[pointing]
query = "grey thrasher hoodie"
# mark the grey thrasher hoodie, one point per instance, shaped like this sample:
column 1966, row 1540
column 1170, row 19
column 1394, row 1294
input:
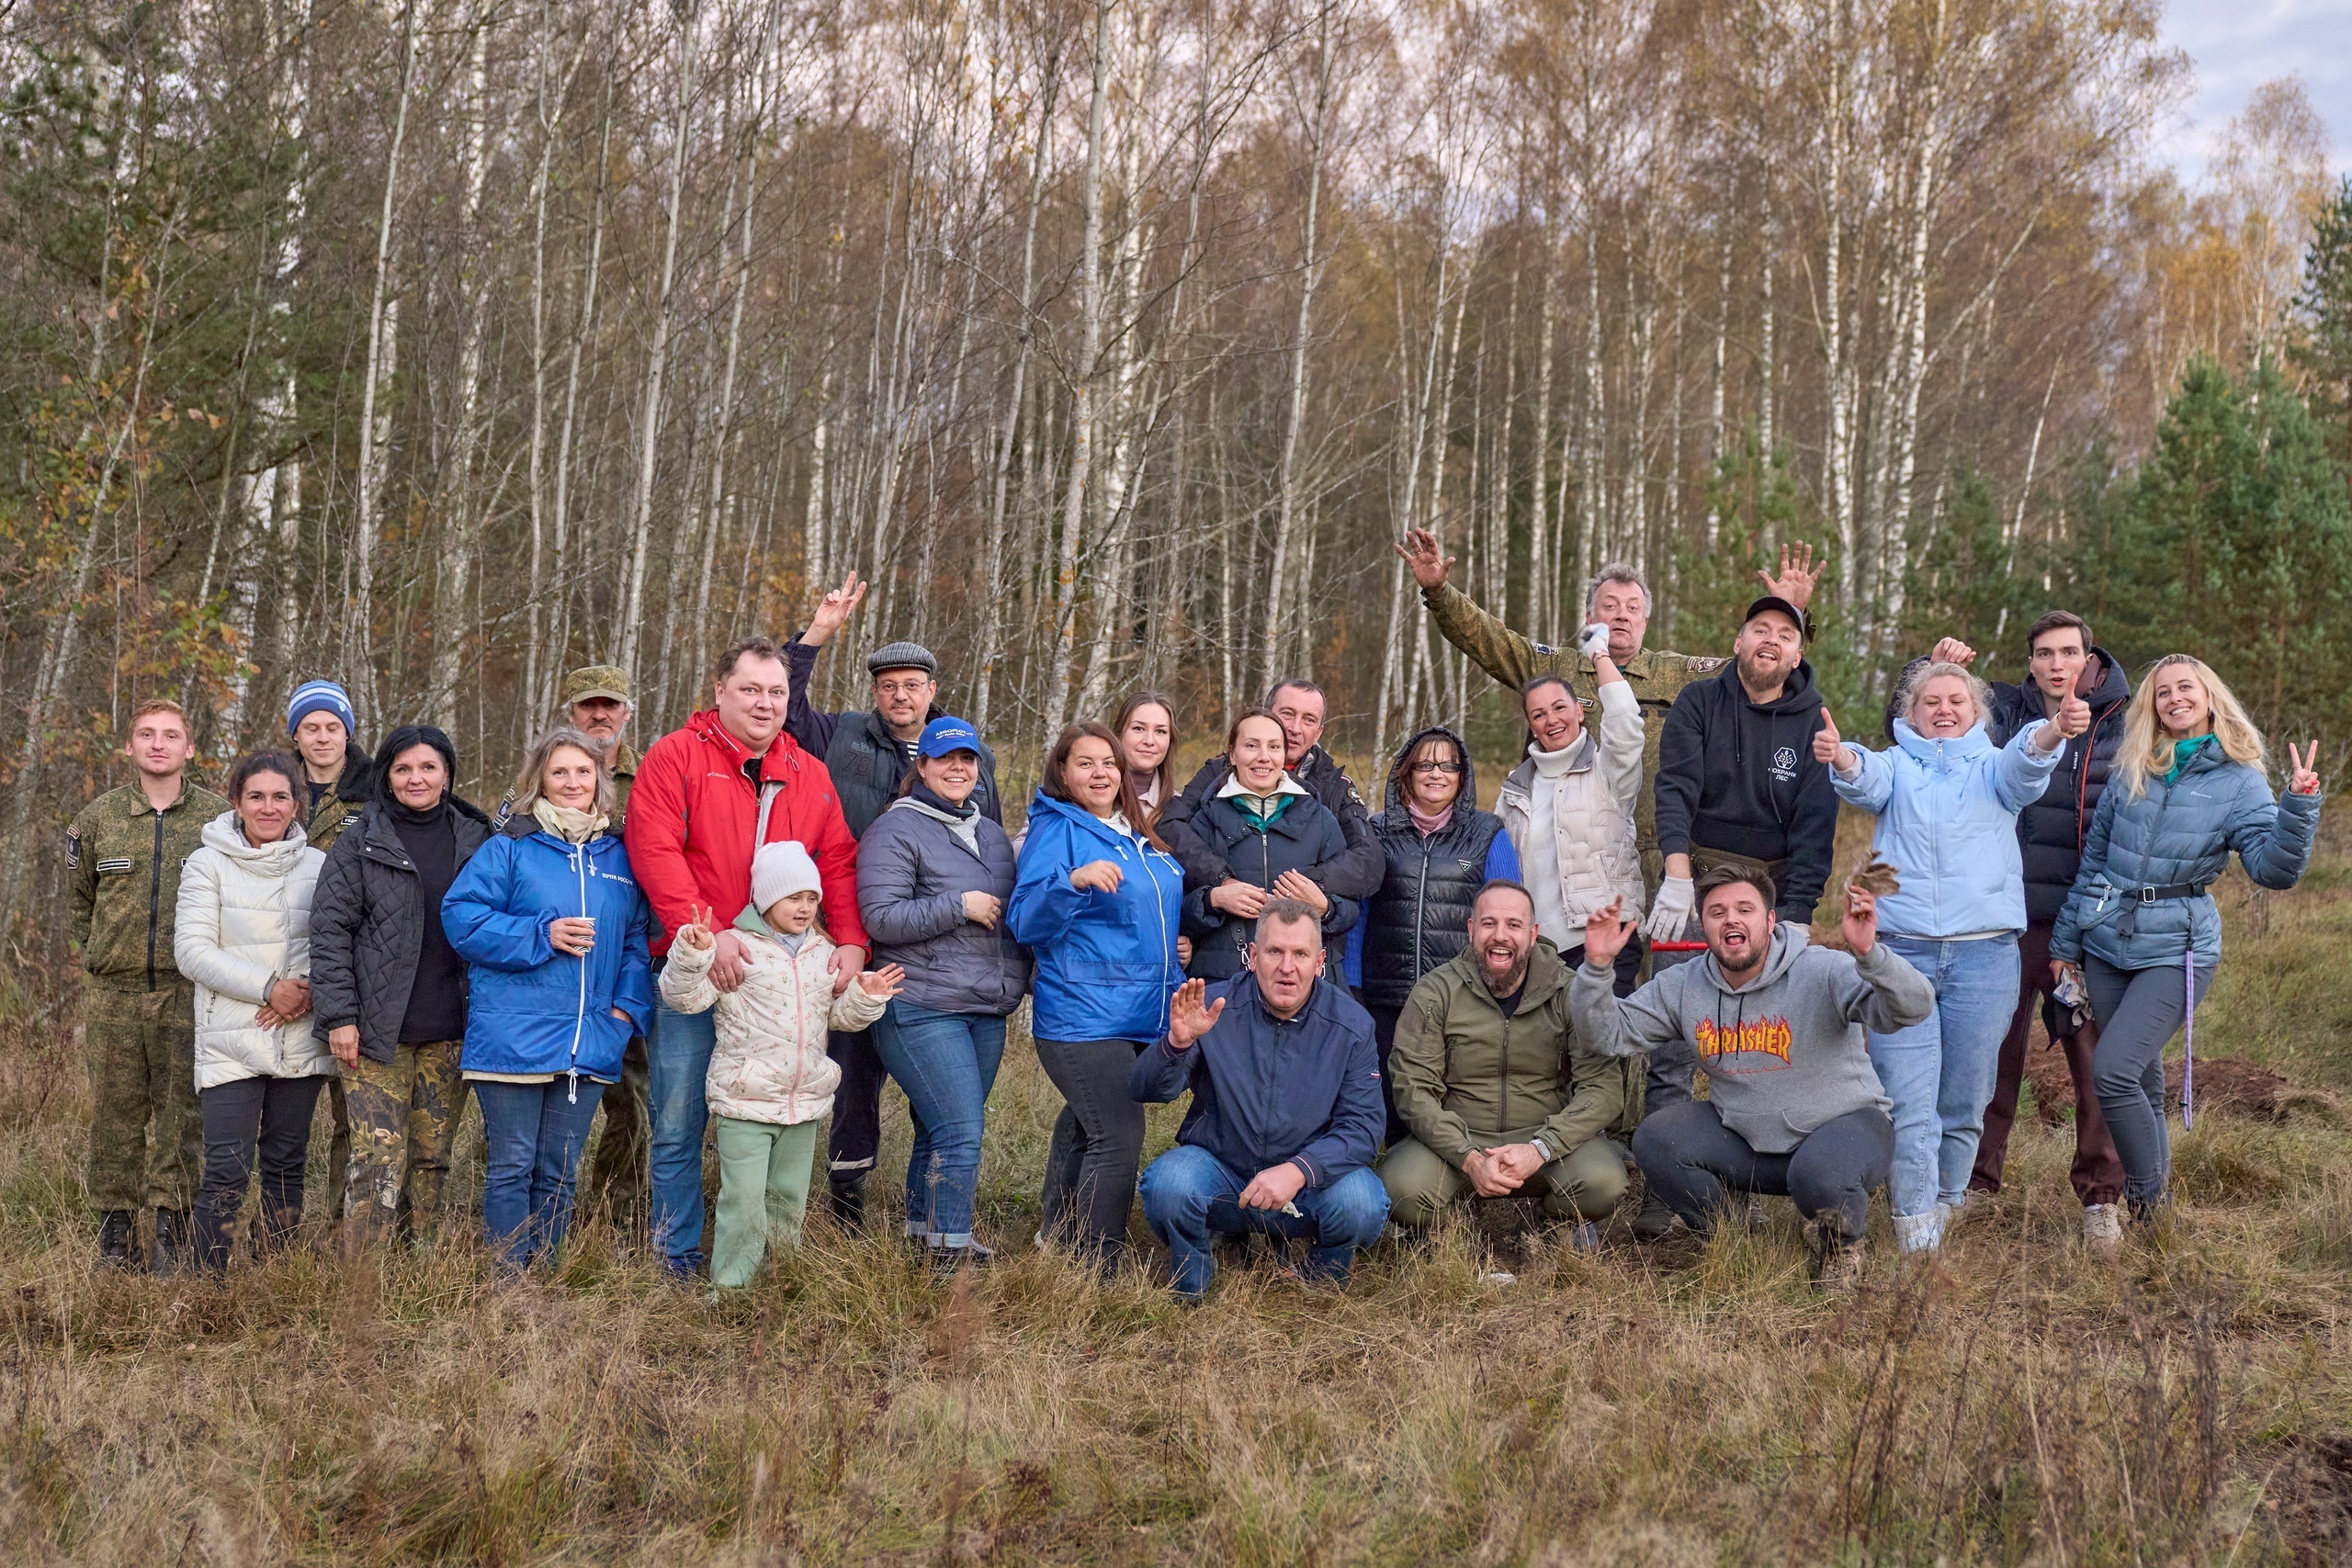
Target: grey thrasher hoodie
column 1784, row 1054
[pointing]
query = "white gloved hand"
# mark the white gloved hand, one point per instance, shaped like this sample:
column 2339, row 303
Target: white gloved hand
column 1594, row 640
column 1669, row 911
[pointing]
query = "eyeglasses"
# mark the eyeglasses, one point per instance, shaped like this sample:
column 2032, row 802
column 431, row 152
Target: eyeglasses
column 1425, row 767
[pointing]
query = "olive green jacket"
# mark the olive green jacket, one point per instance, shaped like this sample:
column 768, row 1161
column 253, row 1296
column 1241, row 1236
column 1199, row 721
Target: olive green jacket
column 1656, row 680
column 1464, row 1077
column 122, row 876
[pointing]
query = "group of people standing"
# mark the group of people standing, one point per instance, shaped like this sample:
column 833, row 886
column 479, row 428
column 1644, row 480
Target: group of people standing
column 1377, row 1017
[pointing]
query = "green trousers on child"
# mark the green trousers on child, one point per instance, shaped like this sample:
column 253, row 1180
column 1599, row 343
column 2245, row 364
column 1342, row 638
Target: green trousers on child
column 763, row 1171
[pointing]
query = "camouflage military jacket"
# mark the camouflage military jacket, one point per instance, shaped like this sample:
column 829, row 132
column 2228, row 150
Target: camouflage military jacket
column 1656, row 680
column 122, row 870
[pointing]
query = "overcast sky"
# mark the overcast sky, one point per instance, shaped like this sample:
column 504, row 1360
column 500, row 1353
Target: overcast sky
column 2240, row 44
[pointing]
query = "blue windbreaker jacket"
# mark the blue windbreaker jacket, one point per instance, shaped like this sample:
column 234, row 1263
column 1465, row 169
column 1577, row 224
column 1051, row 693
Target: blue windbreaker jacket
column 535, row 1009
column 1106, row 962
column 1947, row 823
column 2171, row 835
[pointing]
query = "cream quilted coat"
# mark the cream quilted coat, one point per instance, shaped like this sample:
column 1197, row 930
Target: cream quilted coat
column 243, row 920
column 770, row 1064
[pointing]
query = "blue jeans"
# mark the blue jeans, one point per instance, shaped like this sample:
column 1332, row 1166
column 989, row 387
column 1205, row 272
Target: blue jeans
column 946, row 1063
column 535, row 1132
column 678, row 1055
column 1941, row 1073
column 1188, row 1192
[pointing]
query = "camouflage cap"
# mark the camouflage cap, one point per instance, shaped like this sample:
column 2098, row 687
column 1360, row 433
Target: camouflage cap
column 596, row 681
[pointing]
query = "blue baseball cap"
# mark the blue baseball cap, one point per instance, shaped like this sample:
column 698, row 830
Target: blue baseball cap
column 319, row 696
column 943, row 735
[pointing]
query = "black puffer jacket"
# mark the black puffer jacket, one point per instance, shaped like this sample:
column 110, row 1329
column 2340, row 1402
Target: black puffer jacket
column 2051, row 831
column 1304, row 838
column 1421, row 916
column 367, row 925
column 1352, row 873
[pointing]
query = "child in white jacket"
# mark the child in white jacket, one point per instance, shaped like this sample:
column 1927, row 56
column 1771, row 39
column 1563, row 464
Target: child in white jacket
column 770, row 1080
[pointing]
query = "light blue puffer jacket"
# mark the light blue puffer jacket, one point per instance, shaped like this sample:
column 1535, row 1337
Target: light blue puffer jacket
column 2172, row 834
column 1947, row 816
column 1106, row 962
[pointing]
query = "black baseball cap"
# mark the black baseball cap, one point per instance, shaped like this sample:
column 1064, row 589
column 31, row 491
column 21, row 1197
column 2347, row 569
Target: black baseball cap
column 1773, row 602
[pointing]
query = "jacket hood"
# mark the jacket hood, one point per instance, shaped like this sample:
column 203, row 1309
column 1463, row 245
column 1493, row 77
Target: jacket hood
column 2114, row 685
column 1976, row 742
column 1082, row 820
column 1798, row 695
column 357, row 782
column 1788, row 942
column 1393, row 796
column 222, row 836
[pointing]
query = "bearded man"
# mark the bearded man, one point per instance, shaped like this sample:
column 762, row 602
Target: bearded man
column 1486, row 1073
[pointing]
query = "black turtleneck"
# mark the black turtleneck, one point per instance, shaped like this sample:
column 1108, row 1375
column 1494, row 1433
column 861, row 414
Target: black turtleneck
column 437, row 1002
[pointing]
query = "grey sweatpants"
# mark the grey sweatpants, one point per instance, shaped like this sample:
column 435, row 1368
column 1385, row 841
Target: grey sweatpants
column 2138, row 1011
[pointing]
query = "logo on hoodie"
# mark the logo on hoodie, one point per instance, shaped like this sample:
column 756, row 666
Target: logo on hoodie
column 1762, row 1037
column 1784, row 763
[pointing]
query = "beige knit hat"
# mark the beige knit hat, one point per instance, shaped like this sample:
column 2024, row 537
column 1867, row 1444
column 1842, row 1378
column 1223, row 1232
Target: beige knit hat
column 779, row 871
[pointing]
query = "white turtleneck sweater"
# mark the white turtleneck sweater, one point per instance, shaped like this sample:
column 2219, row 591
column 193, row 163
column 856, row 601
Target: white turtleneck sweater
column 1551, row 914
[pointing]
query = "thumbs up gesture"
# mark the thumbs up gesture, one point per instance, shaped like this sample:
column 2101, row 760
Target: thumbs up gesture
column 1827, row 748
column 2074, row 716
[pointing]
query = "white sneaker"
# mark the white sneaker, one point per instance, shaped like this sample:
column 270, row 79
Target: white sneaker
column 2103, row 1227
column 1951, row 1215
column 1920, row 1233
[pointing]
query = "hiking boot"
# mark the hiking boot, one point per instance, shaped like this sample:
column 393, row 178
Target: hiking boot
column 846, row 1200
column 1837, row 1259
column 2151, row 1218
column 1759, row 1216
column 945, row 1260
column 2103, row 1228
column 117, row 1235
column 1655, row 1219
column 1584, row 1237
column 169, row 1255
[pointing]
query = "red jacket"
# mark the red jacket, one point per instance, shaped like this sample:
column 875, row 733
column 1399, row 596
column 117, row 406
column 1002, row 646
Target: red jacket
column 692, row 813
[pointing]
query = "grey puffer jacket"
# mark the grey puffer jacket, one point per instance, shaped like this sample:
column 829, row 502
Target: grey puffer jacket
column 367, row 926
column 2179, row 834
column 913, row 870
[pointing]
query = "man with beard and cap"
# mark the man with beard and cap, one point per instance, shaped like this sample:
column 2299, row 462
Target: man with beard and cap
column 1619, row 603
column 1286, row 1109
column 1501, row 1104
column 2062, row 662
column 595, row 701
column 1796, row 1108
column 869, row 755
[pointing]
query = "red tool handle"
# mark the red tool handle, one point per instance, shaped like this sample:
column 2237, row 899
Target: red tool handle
column 1678, row 947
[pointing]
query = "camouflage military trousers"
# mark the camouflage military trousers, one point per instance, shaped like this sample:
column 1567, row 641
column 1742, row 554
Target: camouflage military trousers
column 146, row 1133
column 404, row 1117
column 617, row 1181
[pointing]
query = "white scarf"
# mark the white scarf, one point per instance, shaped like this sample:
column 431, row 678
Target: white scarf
column 571, row 827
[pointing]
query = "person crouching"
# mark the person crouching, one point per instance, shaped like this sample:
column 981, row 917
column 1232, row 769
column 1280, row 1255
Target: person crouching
column 771, row 1082
column 1286, row 1109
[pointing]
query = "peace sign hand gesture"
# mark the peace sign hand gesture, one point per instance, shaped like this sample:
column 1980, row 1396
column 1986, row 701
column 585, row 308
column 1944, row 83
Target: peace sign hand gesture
column 2302, row 775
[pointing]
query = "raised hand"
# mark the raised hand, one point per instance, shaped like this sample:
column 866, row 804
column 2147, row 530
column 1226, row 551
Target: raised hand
column 696, row 933
column 1829, row 748
column 884, row 982
column 1299, row 886
column 1593, row 641
column 1096, row 876
column 982, row 908
column 833, row 611
column 2302, row 776
column 1606, row 933
column 1420, row 552
column 1951, row 650
column 2074, row 716
column 1798, row 574
column 1861, row 924
column 1191, row 1015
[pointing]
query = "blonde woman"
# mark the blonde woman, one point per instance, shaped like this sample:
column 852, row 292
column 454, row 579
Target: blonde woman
column 2139, row 930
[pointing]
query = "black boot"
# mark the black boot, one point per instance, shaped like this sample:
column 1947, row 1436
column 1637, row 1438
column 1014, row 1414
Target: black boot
column 848, row 1204
column 117, row 1234
column 169, row 1254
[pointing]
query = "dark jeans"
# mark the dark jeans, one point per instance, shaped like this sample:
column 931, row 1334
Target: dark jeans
column 1691, row 1159
column 2138, row 1011
column 1384, row 1035
column 947, row 1061
column 534, row 1132
column 2098, row 1171
column 273, row 1116
column 1097, row 1145
column 855, row 1141
column 1189, row 1192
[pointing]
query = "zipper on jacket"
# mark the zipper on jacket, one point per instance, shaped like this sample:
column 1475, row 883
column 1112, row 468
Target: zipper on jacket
column 580, row 1010
column 154, row 899
column 1420, row 906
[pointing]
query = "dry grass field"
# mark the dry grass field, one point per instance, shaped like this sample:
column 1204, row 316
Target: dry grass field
column 2015, row 1403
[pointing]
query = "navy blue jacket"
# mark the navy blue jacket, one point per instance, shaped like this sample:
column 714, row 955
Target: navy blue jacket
column 534, row 1009
column 1266, row 1091
column 1306, row 838
column 1738, row 777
